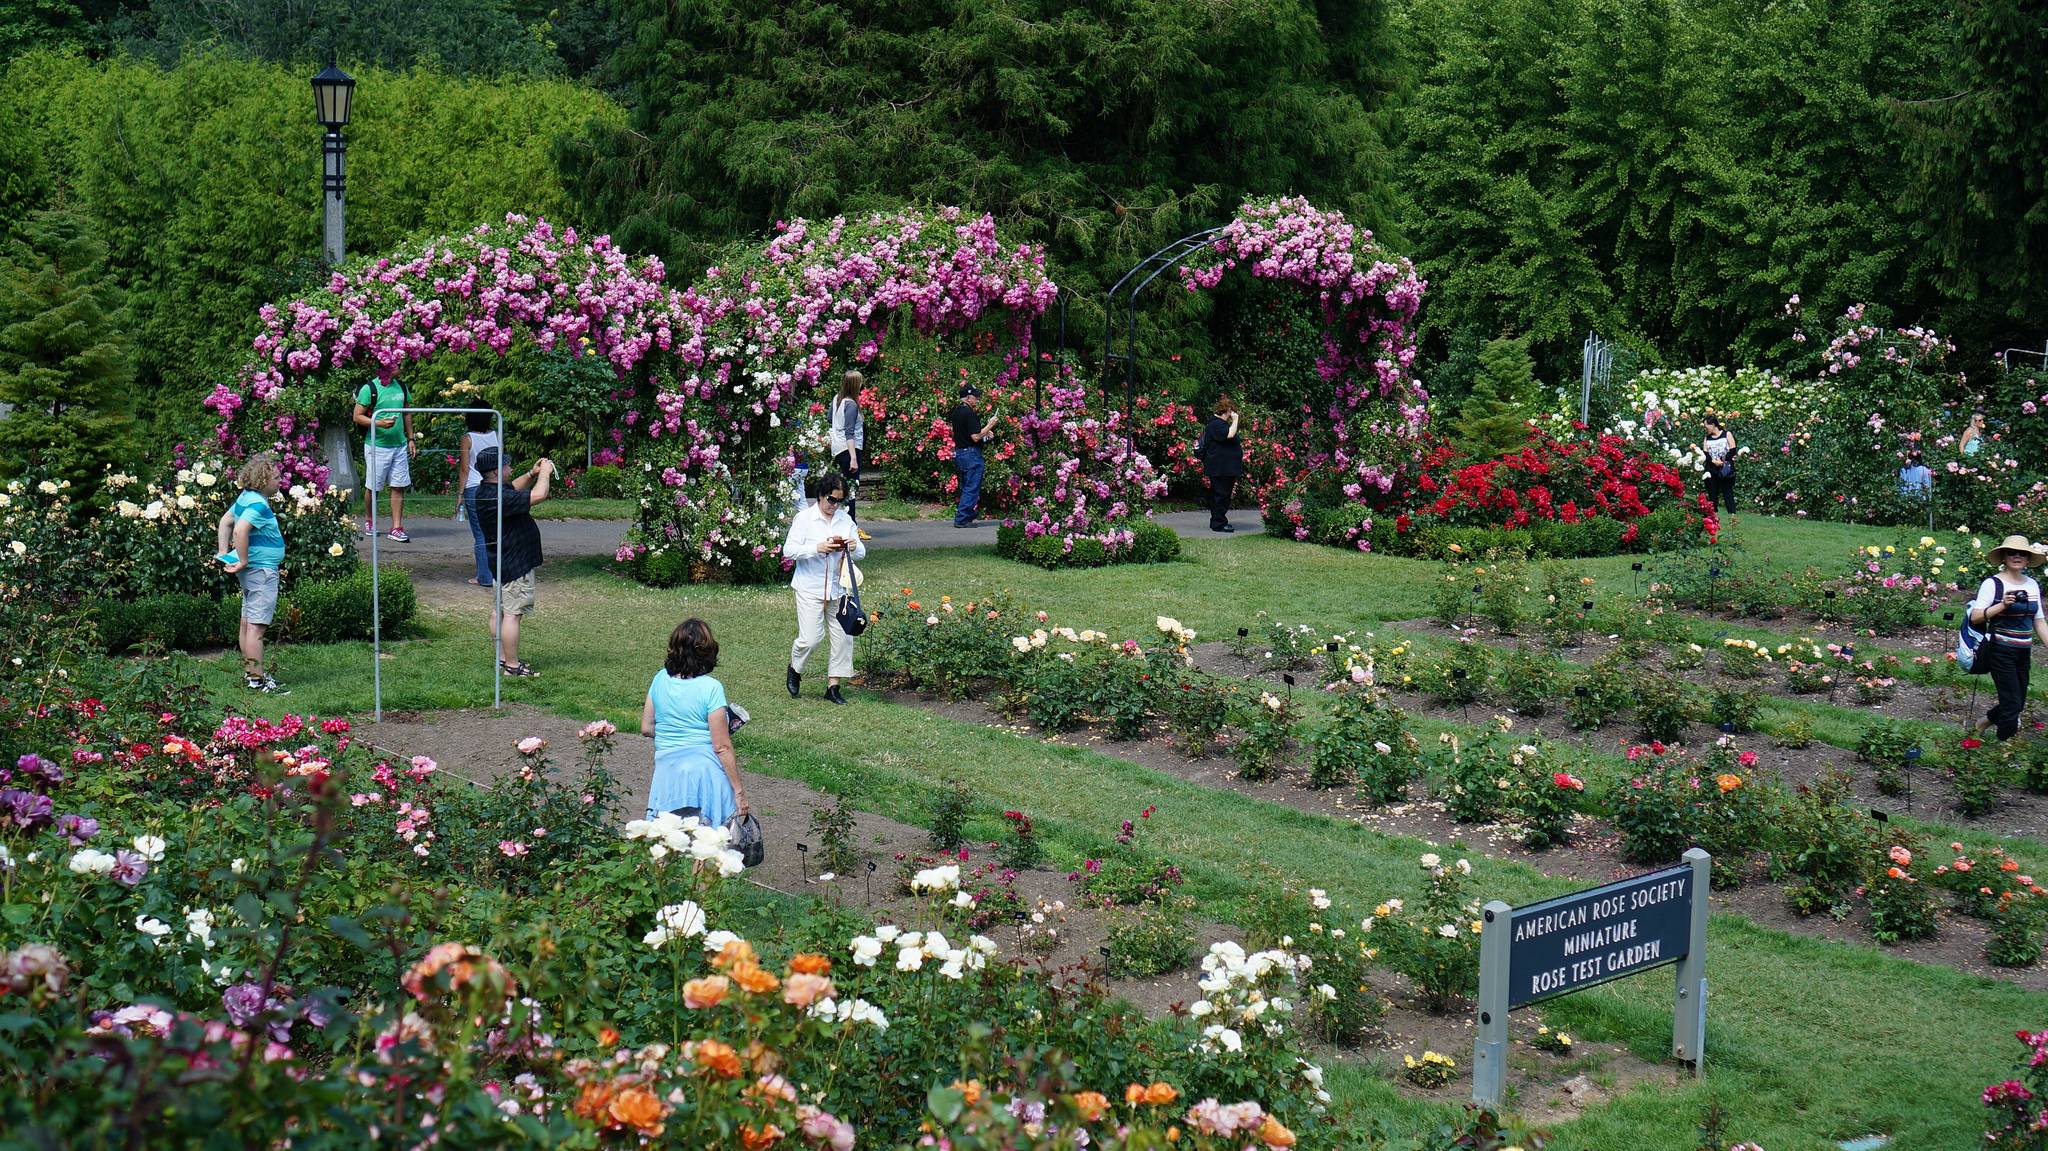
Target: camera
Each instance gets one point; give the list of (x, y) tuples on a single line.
[(2021, 596)]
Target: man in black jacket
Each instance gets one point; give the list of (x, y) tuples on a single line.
[(968, 436)]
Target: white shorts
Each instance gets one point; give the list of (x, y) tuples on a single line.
[(386, 468)]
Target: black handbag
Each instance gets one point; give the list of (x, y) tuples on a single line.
[(853, 619), (743, 834)]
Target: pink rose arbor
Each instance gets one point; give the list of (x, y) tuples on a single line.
[(763, 328), (1088, 489), (486, 288), (1355, 448), (715, 370)]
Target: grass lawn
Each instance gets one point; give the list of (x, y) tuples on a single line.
[(1809, 1042)]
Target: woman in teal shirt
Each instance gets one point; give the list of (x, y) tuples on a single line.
[(694, 764)]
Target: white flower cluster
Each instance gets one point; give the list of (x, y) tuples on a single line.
[(936, 880), (914, 948), (1241, 992), (676, 835), (676, 921), (850, 1011)]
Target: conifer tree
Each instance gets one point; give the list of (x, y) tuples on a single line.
[(65, 366), (1495, 417)]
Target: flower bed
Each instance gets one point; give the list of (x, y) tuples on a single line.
[(185, 900)]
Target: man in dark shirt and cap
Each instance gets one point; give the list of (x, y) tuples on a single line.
[(968, 436), (514, 549)]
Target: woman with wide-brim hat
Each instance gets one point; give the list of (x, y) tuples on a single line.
[(2008, 610)]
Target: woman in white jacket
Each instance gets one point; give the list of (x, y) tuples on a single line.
[(822, 540)]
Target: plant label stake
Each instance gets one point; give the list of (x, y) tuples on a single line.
[(1912, 757), (871, 883), (803, 860)]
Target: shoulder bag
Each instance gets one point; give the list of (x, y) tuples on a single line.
[(853, 619)]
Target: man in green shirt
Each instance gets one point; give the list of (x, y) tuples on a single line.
[(387, 451)]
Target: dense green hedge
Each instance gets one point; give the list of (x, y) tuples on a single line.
[(328, 612), (1152, 543), (203, 179)]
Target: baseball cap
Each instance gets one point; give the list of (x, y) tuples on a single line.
[(969, 391), (490, 460)]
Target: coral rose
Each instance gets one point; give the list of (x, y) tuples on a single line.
[(1275, 1134), (1091, 1105), (810, 963), (803, 989), (1160, 1094), (593, 1101), (718, 1059), (754, 1140), (753, 978), (1727, 782), (638, 1108), (733, 954), (709, 991)]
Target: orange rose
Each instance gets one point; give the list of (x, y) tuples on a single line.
[(718, 1059), (752, 978), (732, 954), (709, 991), (1091, 1105), (915, 606), (762, 1058), (1134, 1094), (1161, 1094), (1173, 1133), (754, 1140), (1275, 1134), (970, 1091), (2008, 865), (810, 963), (1893, 872), (802, 989), (639, 1108), (1728, 782), (608, 1037), (593, 1101)]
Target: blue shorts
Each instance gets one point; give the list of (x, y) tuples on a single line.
[(259, 594)]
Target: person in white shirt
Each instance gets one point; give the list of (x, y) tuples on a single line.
[(821, 544), (2008, 610), (849, 438)]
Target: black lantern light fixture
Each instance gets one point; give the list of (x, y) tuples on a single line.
[(333, 93)]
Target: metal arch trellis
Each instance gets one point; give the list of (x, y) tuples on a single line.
[(1157, 263), (1059, 356), (497, 565)]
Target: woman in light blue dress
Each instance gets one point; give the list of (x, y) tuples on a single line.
[(694, 765)]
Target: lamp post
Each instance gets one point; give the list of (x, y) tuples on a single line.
[(333, 90)]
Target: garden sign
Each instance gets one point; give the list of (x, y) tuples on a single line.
[(1586, 938)]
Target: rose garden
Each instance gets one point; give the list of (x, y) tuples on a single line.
[(1133, 836)]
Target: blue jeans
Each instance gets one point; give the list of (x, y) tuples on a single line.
[(968, 460), (476, 535)]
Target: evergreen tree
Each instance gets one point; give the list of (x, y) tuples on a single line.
[(64, 364), (1495, 417)]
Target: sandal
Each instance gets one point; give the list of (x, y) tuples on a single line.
[(517, 670)]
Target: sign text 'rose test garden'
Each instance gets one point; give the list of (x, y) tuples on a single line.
[(1586, 938)]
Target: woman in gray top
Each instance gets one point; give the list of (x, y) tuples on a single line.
[(848, 439)]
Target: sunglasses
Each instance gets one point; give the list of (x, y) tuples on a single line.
[(831, 499)]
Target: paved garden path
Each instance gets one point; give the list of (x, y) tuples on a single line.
[(438, 541)]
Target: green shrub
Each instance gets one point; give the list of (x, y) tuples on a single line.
[(1458, 676), (1735, 710), (178, 622), (604, 482), (1152, 543), (1529, 680), (1151, 938), (1826, 842), (1265, 725), (1504, 581), (338, 611), (1600, 693), (1663, 707)]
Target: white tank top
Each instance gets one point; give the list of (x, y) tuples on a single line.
[(478, 441)]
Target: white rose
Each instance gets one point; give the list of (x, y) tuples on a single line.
[(150, 847)]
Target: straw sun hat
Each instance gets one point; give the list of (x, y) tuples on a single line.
[(2022, 545)]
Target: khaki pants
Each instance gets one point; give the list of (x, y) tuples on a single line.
[(814, 619)]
